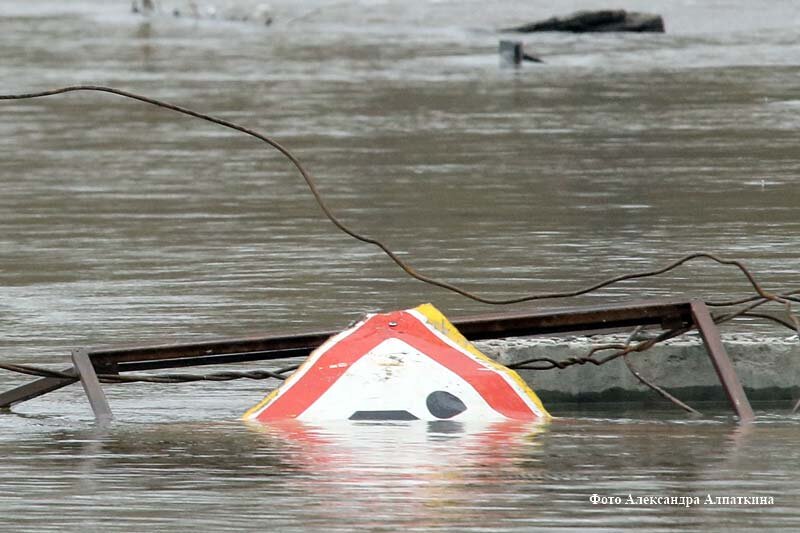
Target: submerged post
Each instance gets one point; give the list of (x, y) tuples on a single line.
[(97, 398), (722, 363), (511, 53)]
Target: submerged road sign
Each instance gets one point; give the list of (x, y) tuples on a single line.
[(404, 365)]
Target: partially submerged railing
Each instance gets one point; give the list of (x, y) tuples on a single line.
[(672, 316), (111, 363)]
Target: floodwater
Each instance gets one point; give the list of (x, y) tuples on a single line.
[(121, 223)]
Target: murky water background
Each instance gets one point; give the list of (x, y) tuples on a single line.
[(121, 223)]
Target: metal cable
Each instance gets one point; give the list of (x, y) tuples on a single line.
[(37, 371), (230, 375), (619, 350), (408, 269), (187, 378), (652, 386)]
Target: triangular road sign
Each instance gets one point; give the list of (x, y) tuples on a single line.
[(404, 365)]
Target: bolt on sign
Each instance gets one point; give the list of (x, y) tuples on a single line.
[(403, 365)]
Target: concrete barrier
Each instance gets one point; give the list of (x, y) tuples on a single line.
[(769, 368)]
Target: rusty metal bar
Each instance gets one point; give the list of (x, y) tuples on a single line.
[(722, 363), (202, 360), (571, 319), (91, 385), (272, 347), (34, 389), (474, 328)]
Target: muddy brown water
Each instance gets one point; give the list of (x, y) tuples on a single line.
[(122, 224)]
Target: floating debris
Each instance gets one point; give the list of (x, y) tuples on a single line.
[(608, 20), (512, 53)]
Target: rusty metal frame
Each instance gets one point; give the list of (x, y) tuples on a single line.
[(664, 313)]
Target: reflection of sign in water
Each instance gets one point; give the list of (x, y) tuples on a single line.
[(400, 444), (423, 475), (404, 365)]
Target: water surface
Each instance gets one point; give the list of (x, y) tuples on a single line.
[(122, 224)]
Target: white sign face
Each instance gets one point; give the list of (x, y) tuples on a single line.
[(398, 382)]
